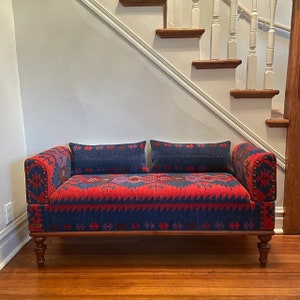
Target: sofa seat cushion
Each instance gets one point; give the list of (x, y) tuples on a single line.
[(157, 191), (150, 202)]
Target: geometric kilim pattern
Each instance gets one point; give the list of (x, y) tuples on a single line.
[(38, 217), (150, 189), (109, 158), (209, 201), (45, 172), (198, 201), (181, 158), (256, 170), (197, 217)]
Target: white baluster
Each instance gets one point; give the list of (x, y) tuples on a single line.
[(232, 42), (195, 14), (252, 57), (178, 13), (215, 31), (269, 73), (171, 12)]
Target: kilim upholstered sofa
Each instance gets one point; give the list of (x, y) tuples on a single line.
[(200, 189)]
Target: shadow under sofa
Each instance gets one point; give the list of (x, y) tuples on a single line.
[(190, 189)]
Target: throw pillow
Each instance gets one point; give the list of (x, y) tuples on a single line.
[(186, 158), (108, 159)]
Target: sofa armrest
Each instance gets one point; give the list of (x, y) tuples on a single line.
[(256, 170), (45, 172)]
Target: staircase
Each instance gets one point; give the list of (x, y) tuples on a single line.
[(249, 111), (212, 63)]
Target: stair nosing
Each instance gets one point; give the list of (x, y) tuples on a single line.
[(217, 63), (266, 93), (132, 3), (277, 123), (180, 32)]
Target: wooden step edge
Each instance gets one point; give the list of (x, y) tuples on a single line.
[(278, 123), (129, 3), (217, 64), (169, 33), (254, 93)]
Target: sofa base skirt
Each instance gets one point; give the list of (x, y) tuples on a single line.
[(263, 245)]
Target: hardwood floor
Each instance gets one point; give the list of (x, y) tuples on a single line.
[(155, 268)]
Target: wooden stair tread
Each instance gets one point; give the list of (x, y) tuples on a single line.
[(142, 2), (217, 63), (180, 32), (254, 93), (279, 123)]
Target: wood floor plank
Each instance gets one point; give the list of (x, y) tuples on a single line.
[(155, 268)]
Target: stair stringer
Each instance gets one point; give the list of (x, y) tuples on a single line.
[(187, 84)]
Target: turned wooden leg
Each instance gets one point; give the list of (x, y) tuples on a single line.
[(264, 248), (40, 250)]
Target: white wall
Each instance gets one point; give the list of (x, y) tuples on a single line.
[(81, 82), (283, 11), (13, 150)]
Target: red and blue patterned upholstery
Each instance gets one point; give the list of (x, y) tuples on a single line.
[(108, 159), (45, 172), (209, 201), (256, 170), (178, 157)]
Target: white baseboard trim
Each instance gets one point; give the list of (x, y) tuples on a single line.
[(13, 238), (279, 216)]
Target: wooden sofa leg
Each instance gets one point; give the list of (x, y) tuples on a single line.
[(264, 248), (40, 250)]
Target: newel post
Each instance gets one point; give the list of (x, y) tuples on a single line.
[(292, 112)]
